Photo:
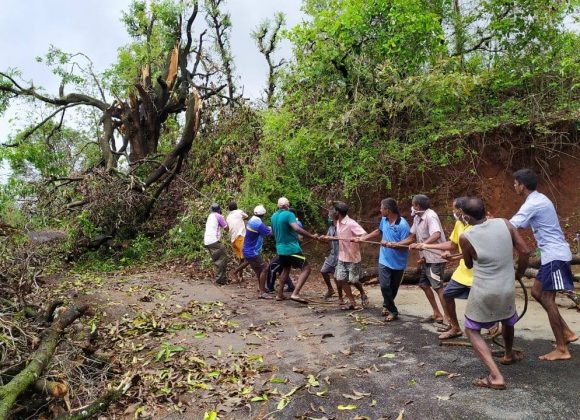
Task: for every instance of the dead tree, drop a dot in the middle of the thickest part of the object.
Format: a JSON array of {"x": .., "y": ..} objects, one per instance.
[
  {"x": 139, "y": 118},
  {"x": 221, "y": 25},
  {"x": 267, "y": 37}
]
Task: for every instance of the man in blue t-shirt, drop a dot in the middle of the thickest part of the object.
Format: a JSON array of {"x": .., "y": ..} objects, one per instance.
[
  {"x": 256, "y": 230},
  {"x": 392, "y": 259}
]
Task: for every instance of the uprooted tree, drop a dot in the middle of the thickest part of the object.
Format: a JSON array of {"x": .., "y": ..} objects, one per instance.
[{"x": 132, "y": 140}]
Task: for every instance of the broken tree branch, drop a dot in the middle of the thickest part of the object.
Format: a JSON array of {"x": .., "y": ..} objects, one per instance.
[{"x": 30, "y": 374}]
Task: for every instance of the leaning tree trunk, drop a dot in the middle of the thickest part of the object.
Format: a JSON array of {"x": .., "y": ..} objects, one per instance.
[{"x": 10, "y": 392}]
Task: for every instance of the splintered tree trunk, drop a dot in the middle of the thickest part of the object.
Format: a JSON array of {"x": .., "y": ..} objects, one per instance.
[{"x": 10, "y": 392}]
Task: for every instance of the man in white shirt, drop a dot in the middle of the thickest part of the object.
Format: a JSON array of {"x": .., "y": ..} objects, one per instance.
[
  {"x": 213, "y": 229},
  {"x": 236, "y": 223}
]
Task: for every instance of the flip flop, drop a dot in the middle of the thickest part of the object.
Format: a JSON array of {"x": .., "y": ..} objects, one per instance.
[
  {"x": 279, "y": 299},
  {"x": 385, "y": 312},
  {"x": 449, "y": 335},
  {"x": 364, "y": 299},
  {"x": 264, "y": 296},
  {"x": 391, "y": 318},
  {"x": 328, "y": 294},
  {"x": 517, "y": 356},
  {"x": 485, "y": 383},
  {"x": 348, "y": 308},
  {"x": 298, "y": 299},
  {"x": 444, "y": 328}
]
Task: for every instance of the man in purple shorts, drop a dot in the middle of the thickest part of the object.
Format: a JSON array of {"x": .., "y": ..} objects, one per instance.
[
  {"x": 555, "y": 273},
  {"x": 488, "y": 248}
]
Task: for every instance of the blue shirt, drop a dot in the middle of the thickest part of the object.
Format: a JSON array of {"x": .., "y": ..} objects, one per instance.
[
  {"x": 255, "y": 232},
  {"x": 394, "y": 258},
  {"x": 539, "y": 213}
]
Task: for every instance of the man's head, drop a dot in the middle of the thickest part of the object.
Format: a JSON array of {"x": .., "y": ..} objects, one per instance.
[
  {"x": 341, "y": 208},
  {"x": 283, "y": 203},
  {"x": 473, "y": 210},
  {"x": 232, "y": 205},
  {"x": 260, "y": 211},
  {"x": 420, "y": 203},
  {"x": 215, "y": 208},
  {"x": 458, "y": 204},
  {"x": 389, "y": 206},
  {"x": 525, "y": 179}
]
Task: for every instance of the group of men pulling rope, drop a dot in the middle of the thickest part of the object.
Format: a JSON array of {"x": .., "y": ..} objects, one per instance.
[{"x": 483, "y": 245}]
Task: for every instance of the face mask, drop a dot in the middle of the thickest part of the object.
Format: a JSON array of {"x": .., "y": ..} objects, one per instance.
[
  {"x": 416, "y": 212},
  {"x": 329, "y": 221}
]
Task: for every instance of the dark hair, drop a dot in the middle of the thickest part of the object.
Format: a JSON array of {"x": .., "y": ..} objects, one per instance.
[
  {"x": 232, "y": 205},
  {"x": 391, "y": 205},
  {"x": 341, "y": 207},
  {"x": 474, "y": 207},
  {"x": 215, "y": 207},
  {"x": 460, "y": 202},
  {"x": 422, "y": 201},
  {"x": 527, "y": 178}
]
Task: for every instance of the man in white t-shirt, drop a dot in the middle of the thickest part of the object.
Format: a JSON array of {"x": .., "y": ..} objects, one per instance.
[
  {"x": 236, "y": 223},
  {"x": 211, "y": 240}
]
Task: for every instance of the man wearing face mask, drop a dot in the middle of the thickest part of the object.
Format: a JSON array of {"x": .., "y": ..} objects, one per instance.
[
  {"x": 462, "y": 277},
  {"x": 427, "y": 229},
  {"x": 331, "y": 260}
]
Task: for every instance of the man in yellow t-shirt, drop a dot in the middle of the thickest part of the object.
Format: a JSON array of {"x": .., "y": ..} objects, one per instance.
[{"x": 462, "y": 277}]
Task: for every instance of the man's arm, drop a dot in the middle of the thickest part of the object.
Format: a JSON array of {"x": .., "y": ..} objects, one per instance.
[
  {"x": 433, "y": 238},
  {"x": 522, "y": 249},
  {"x": 408, "y": 240},
  {"x": 373, "y": 235},
  {"x": 302, "y": 231},
  {"x": 444, "y": 246},
  {"x": 468, "y": 252}
]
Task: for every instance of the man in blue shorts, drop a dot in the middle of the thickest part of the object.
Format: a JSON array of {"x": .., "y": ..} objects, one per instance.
[
  {"x": 488, "y": 248},
  {"x": 555, "y": 273}
]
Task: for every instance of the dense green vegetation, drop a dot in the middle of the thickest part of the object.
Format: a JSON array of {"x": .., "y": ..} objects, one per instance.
[{"x": 376, "y": 92}]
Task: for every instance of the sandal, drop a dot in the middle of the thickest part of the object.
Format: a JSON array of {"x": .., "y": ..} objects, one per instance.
[
  {"x": 348, "y": 308},
  {"x": 328, "y": 294},
  {"x": 364, "y": 299},
  {"x": 391, "y": 317},
  {"x": 486, "y": 383},
  {"x": 449, "y": 335},
  {"x": 443, "y": 328},
  {"x": 264, "y": 296},
  {"x": 385, "y": 312}
]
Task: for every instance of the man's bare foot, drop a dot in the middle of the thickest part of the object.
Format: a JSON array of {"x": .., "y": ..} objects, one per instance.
[
  {"x": 517, "y": 356},
  {"x": 556, "y": 355},
  {"x": 570, "y": 338}
]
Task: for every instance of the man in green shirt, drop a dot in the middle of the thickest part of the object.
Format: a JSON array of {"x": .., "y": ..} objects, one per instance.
[{"x": 286, "y": 230}]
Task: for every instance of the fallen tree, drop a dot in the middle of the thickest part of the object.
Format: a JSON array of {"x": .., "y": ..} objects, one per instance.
[{"x": 39, "y": 361}]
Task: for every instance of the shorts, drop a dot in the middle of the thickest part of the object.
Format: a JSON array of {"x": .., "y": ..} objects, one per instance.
[
  {"x": 238, "y": 246},
  {"x": 346, "y": 271},
  {"x": 294, "y": 260},
  {"x": 327, "y": 268},
  {"x": 478, "y": 326},
  {"x": 432, "y": 275},
  {"x": 556, "y": 275},
  {"x": 257, "y": 264},
  {"x": 455, "y": 290}
]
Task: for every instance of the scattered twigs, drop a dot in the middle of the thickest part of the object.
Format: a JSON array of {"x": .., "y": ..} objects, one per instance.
[
  {"x": 10, "y": 392},
  {"x": 102, "y": 403}
]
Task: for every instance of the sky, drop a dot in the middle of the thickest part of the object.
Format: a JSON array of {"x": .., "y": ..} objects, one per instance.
[{"x": 94, "y": 27}]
